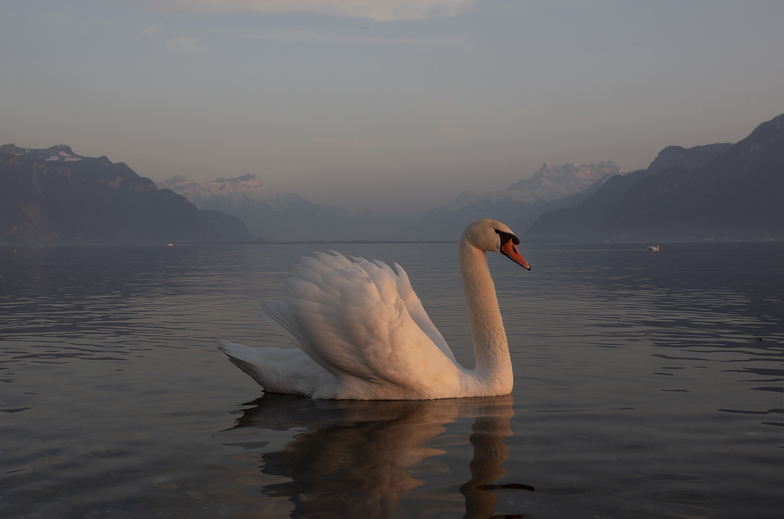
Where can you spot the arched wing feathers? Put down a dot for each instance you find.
(360, 318)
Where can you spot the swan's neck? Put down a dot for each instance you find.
(493, 369)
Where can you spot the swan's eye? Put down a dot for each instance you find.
(505, 237)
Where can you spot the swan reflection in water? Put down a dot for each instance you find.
(351, 458)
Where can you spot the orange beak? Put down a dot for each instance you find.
(509, 249)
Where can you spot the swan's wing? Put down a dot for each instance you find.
(413, 304)
(360, 318)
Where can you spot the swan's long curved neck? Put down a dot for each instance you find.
(493, 368)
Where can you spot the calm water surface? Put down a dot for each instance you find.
(648, 385)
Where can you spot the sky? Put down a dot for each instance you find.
(399, 104)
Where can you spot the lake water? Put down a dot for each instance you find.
(647, 385)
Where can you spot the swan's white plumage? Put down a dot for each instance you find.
(362, 333)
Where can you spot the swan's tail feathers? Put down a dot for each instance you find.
(241, 356)
(276, 370)
(232, 349)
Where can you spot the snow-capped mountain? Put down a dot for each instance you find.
(554, 182)
(269, 216)
(229, 190)
(550, 188)
(548, 183)
(59, 153)
(284, 217)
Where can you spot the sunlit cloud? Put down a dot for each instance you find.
(378, 10)
(317, 37)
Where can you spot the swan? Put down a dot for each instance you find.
(363, 334)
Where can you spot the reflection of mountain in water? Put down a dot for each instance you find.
(352, 459)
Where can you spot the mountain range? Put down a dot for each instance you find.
(284, 217)
(712, 192)
(290, 217)
(722, 192)
(519, 205)
(54, 196)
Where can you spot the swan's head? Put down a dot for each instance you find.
(493, 236)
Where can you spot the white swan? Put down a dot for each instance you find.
(363, 333)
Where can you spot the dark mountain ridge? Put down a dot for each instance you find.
(718, 192)
(54, 196)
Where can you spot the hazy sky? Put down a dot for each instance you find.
(394, 103)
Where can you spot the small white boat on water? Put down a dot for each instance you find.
(653, 248)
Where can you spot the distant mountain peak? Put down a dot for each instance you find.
(518, 205)
(176, 180)
(549, 183)
(572, 169)
(244, 178)
(61, 152)
(235, 190)
(552, 182)
(686, 158)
